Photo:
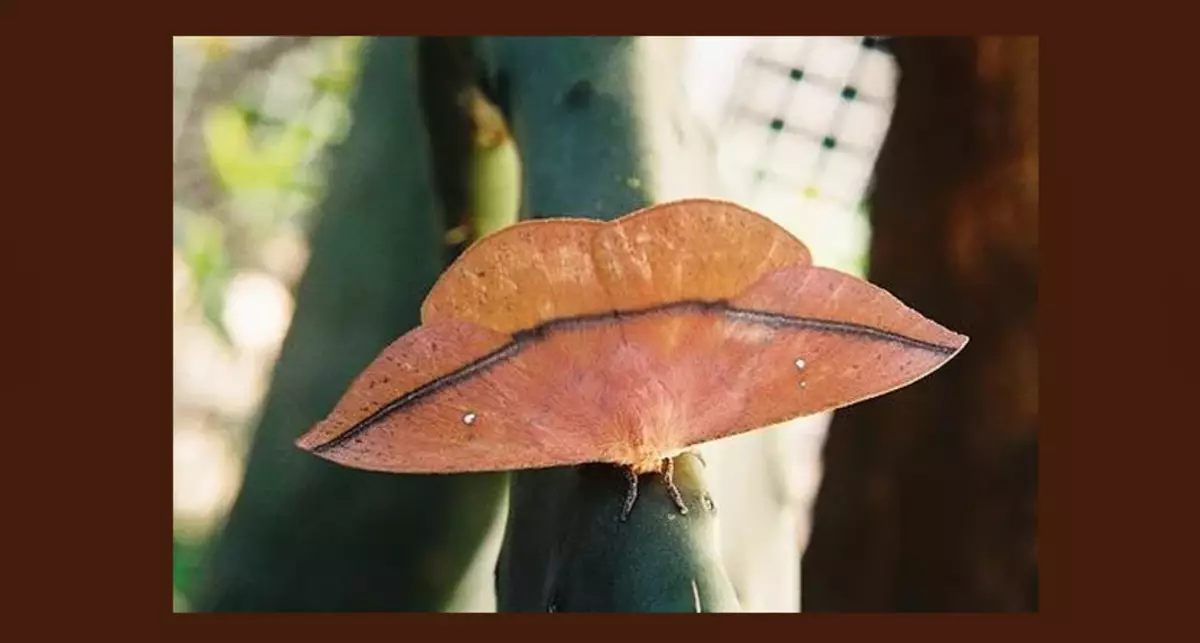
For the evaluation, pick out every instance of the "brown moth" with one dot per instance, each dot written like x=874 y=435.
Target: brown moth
x=562 y=341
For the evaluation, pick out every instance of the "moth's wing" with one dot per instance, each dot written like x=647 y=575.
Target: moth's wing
x=521 y=276
x=696 y=249
x=537 y=271
x=805 y=340
x=466 y=398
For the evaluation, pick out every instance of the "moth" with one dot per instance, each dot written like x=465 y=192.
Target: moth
x=567 y=341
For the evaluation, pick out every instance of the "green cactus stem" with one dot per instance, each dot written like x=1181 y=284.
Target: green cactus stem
x=495 y=169
x=581 y=116
x=570 y=548
x=308 y=535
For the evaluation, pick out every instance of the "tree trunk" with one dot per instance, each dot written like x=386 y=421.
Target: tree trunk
x=929 y=496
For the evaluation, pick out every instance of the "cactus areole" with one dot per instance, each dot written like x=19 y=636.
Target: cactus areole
x=568 y=341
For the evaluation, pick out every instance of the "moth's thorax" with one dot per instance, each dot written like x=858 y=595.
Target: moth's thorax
x=650 y=465
x=650 y=423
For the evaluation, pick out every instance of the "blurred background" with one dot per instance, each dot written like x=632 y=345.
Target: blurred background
x=912 y=162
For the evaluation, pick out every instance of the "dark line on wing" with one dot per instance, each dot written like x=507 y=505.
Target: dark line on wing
x=523 y=338
x=847 y=328
x=425 y=390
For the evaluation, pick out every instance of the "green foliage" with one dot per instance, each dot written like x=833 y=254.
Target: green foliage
x=186 y=562
x=241 y=164
x=263 y=168
x=340 y=74
x=202 y=247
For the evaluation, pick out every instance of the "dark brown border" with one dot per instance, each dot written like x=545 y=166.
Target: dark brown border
x=108 y=105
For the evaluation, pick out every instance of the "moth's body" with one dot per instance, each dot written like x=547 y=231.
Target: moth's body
x=649 y=465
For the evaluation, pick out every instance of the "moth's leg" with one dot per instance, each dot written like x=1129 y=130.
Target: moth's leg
x=668 y=474
x=631 y=495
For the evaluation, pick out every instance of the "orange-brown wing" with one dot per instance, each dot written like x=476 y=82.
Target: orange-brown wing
x=455 y=397
x=696 y=249
x=538 y=271
x=522 y=276
x=805 y=340
x=361 y=431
